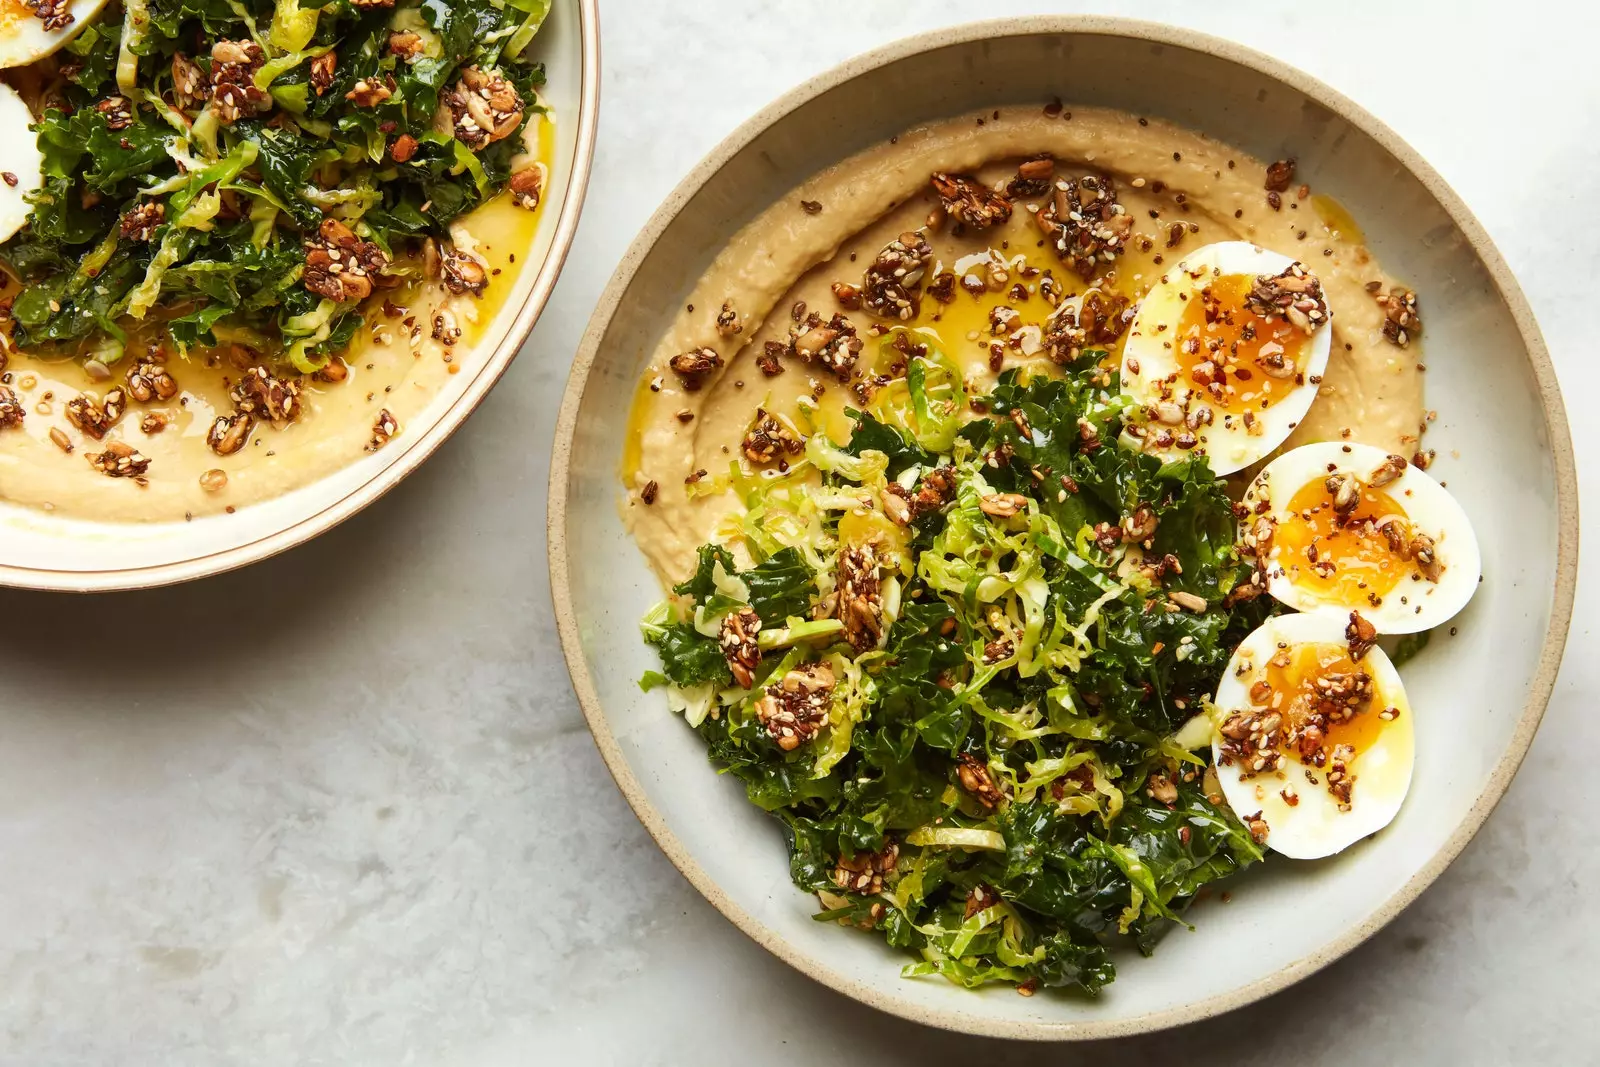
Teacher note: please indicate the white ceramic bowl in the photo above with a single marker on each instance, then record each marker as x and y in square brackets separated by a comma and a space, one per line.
[1478, 696]
[43, 551]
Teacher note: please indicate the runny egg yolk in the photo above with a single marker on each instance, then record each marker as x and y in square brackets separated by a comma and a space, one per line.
[1293, 674]
[1242, 361]
[1343, 560]
[12, 11]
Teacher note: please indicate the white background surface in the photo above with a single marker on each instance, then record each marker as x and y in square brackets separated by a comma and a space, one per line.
[342, 808]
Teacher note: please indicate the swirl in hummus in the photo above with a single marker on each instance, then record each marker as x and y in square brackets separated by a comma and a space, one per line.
[173, 416]
[779, 336]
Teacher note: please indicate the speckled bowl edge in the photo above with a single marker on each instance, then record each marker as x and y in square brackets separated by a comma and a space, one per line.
[436, 434]
[882, 997]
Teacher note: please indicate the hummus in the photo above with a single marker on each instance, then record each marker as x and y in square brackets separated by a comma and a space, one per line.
[395, 367]
[1182, 190]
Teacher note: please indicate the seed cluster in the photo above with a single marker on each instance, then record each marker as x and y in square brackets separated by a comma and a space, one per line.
[234, 95]
[693, 368]
[739, 648]
[141, 223]
[1085, 224]
[1295, 294]
[1401, 319]
[527, 186]
[120, 460]
[866, 872]
[796, 707]
[976, 779]
[768, 440]
[383, 428]
[117, 111]
[462, 273]
[262, 395]
[1097, 320]
[148, 380]
[859, 593]
[340, 266]
[833, 343]
[53, 13]
[484, 108]
[970, 201]
[892, 286]
[11, 410]
[92, 418]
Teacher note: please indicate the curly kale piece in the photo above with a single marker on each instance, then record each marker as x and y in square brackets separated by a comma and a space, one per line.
[1005, 741]
[236, 198]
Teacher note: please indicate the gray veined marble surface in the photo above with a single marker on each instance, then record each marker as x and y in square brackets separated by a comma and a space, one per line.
[341, 808]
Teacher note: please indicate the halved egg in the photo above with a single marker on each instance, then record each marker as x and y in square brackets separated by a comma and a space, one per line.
[21, 165]
[33, 31]
[1225, 354]
[1338, 527]
[1314, 744]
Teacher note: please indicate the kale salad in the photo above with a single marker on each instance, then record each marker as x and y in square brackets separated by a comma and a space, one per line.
[250, 172]
[954, 655]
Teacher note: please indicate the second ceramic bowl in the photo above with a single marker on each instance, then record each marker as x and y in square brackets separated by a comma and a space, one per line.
[46, 550]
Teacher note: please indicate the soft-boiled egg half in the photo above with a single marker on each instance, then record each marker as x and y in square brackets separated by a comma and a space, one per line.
[21, 165]
[30, 32]
[1313, 746]
[1341, 527]
[1225, 354]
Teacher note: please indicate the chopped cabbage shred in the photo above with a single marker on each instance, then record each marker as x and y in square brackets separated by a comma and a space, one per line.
[204, 205]
[1008, 743]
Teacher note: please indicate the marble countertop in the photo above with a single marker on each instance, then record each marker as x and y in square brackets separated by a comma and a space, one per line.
[341, 808]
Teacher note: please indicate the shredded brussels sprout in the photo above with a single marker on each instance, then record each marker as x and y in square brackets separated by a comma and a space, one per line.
[973, 782]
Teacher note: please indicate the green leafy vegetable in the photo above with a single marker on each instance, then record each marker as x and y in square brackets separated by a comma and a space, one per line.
[994, 786]
[689, 658]
[780, 587]
[871, 435]
[196, 148]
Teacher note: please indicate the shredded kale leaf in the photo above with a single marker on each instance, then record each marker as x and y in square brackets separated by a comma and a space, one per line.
[995, 786]
[689, 658]
[702, 584]
[170, 207]
[871, 435]
[780, 587]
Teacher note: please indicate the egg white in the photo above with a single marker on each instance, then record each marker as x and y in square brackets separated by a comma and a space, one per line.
[1314, 826]
[1148, 361]
[23, 37]
[20, 158]
[1412, 605]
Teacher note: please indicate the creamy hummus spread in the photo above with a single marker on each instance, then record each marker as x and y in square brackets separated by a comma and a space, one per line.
[394, 369]
[1181, 189]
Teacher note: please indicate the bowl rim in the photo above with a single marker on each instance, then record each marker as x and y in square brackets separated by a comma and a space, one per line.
[883, 996]
[439, 431]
